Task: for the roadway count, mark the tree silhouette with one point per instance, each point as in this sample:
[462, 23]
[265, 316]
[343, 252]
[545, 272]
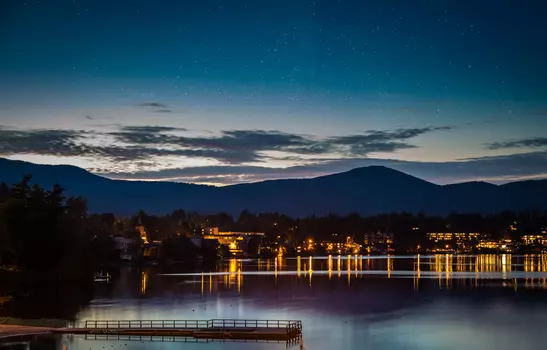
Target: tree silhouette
[43, 231]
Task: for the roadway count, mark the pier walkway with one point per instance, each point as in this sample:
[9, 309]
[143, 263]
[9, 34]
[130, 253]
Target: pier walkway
[8, 331]
[171, 330]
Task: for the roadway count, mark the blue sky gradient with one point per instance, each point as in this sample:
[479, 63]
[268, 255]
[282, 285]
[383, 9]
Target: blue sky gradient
[299, 88]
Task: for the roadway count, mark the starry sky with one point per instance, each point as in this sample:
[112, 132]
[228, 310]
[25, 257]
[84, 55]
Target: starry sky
[223, 92]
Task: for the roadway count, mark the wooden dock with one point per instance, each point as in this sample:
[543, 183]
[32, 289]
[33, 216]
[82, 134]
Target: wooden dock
[8, 331]
[216, 329]
[175, 330]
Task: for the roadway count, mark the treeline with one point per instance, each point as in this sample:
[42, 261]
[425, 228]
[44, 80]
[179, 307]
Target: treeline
[409, 229]
[174, 232]
[47, 235]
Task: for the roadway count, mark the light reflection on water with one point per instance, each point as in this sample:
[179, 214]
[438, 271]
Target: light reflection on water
[531, 268]
[345, 302]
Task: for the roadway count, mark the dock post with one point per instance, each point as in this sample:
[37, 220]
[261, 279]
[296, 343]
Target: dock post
[301, 343]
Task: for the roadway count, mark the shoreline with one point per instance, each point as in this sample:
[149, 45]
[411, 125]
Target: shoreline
[9, 331]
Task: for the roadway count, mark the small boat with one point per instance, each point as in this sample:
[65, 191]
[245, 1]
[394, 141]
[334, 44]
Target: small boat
[101, 277]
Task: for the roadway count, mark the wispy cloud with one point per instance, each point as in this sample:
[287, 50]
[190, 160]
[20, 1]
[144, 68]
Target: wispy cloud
[163, 110]
[377, 141]
[41, 141]
[231, 147]
[152, 104]
[150, 129]
[248, 145]
[240, 154]
[535, 142]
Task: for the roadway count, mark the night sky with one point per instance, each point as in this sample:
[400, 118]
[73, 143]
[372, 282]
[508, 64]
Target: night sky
[223, 92]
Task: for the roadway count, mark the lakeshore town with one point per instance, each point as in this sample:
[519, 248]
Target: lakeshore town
[44, 234]
[259, 244]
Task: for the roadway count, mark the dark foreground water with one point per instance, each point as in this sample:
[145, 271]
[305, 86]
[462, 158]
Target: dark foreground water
[421, 302]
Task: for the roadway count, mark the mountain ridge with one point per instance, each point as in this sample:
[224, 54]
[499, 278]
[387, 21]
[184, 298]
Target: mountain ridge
[367, 191]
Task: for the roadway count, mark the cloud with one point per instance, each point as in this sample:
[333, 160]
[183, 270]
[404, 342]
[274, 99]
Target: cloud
[88, 117]
[235, 146]
[535, 142]
[132, 153]
[152, 104]
[371, 141]
[163, 110]
[66, 143]
[232, 147]
[240, 153]
[145, 135]
[41, 141]
[150, 129]
[248, 145]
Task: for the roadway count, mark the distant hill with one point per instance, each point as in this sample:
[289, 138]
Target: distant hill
[367, 191]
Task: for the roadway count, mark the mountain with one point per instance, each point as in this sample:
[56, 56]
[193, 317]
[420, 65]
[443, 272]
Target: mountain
[367, 191]
[105, 195]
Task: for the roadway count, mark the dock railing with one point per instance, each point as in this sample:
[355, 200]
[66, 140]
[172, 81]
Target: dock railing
[149, 324]
[290, 326]
[215, 329]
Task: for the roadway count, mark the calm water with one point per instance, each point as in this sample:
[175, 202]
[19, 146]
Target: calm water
[425, 302]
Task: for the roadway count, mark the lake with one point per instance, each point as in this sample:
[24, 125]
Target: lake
[345, 302]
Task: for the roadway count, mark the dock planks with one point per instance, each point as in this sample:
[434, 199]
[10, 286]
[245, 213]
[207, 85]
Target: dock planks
[7, 331]
[218, 329]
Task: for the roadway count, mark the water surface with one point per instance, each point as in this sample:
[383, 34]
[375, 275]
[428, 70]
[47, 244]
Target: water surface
[356, 302]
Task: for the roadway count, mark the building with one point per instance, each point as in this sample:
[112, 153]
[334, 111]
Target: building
[453, 241]
[539, 239]
[123, 246]
[333, 247]
[440, 236]
[488, 244]
[347, 247]
[142, 231]
[151, 251]
[507, 245]
[449, 236]
[379, 242]
[235, 241]
[209, 231]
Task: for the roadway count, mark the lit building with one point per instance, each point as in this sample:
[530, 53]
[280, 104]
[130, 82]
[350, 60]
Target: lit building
[449, 236]
[152, 251]
[447, 248]
[142, 231]
[507, 245]
[379, 241]
[488, 244]
[353, 247]
[342, 247]
[453, 241]
[333, 247]
[123, 246]
[310, 245]
[439, 236]
[242, 234]
[233, 240]
[540, 239]
[209, 231]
